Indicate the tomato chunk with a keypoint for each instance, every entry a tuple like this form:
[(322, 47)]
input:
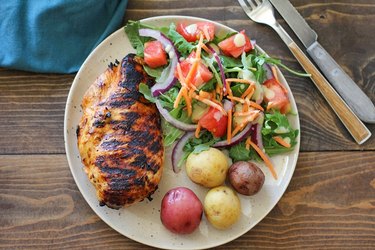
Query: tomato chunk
[(154, 54), (191, 32), (215, 122), (236, 44), (203, 74), (275, 96)]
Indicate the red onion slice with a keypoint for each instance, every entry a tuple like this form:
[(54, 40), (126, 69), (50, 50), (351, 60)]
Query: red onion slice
[(173, 121), (236, 139), (269, 73), (256, 131), (253, 43), (221, 68), (228, 105), (163, 84), (178, 150)]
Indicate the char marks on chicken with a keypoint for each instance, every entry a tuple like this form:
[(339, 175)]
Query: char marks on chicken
[(120, 137)]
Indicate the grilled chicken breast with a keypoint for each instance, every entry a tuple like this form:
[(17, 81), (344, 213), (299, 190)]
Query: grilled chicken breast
[(120, 137)]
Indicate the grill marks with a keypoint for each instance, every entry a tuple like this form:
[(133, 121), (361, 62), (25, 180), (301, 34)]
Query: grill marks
[(129, 151)]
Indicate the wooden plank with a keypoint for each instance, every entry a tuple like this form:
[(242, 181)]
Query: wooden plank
[(32, 105), (32, 111), (328, 204)]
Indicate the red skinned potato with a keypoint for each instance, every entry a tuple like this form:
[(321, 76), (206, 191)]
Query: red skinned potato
[(246, 177), (181, 211)]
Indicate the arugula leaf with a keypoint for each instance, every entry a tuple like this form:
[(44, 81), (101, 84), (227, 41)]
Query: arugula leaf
[(153, 72), (238, 89), (279, 63), (239, 152), (197, 145), (277, 124), (210, 63), (183, 46), (171, 133), (146, 91), (217, 39), (137, 42), (230, 62), (273, 148)]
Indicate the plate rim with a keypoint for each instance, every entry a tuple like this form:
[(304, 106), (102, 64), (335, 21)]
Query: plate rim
[(68, 150)]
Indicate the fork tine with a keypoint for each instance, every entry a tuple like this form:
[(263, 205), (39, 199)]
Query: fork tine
[(244, 6), (258, 2), (251, 4)]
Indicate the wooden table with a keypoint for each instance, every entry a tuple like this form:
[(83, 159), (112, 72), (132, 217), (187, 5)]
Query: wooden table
[(330, 202)]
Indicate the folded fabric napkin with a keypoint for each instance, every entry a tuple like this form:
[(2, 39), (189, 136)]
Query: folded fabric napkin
[(54, 35)]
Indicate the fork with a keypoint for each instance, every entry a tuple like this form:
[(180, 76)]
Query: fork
[(262, 12)]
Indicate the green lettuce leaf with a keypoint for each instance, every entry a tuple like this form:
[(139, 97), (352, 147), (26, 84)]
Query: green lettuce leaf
[(183, 46)]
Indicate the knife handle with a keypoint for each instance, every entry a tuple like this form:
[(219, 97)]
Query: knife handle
[(352, 123), (342, 83)]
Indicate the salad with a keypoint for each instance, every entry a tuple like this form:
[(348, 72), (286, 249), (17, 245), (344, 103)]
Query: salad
[(214, 91)]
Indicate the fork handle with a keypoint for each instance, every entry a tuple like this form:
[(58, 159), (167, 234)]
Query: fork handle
[(352, 123)]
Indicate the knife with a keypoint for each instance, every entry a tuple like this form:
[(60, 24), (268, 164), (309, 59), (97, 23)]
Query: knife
[(356, 99)]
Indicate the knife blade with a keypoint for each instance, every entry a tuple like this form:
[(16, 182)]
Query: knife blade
[(356, 99)]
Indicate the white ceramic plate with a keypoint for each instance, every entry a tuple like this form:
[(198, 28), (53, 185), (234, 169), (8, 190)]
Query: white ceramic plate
[(141, 222)]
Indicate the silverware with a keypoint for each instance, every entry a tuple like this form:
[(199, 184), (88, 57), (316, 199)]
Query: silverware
[(262, 12), (356, 99)]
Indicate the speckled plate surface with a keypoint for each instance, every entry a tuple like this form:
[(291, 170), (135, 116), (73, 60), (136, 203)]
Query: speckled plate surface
[(141, 222)]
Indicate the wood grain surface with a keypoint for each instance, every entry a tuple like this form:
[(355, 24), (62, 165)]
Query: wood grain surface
[(329, 204)]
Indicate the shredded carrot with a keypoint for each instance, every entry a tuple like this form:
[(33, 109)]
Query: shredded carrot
[(210, 103), (247, 143), (199, 47), (205, 48), (265, 158), (181, 77), (274, 72), (188, 102), (238, 129), (270, 105), (192, 72), (247, 113), (248, 91), (256, 105), (178, 98), (239, 80), (237, 99), (245, 108), (204, 94), (229, 126), (281, 141), (206, 33), (219, 90), (197, 130), (196, 61), (228, 89)]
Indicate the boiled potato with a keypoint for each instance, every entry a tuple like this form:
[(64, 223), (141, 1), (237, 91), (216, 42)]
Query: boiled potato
[(181, 211), (246, 177), (222, 207), (208, 168)]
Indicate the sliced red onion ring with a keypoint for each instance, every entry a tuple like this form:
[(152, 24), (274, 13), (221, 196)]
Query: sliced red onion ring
[(178, 150), (228, 105), (256, 131), (168, 79), (253, 42), (236, 139), (174, 122), (221, 68), (269, 73)]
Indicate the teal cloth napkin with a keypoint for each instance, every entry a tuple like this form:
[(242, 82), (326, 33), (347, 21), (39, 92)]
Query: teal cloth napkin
[(54, 36)]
